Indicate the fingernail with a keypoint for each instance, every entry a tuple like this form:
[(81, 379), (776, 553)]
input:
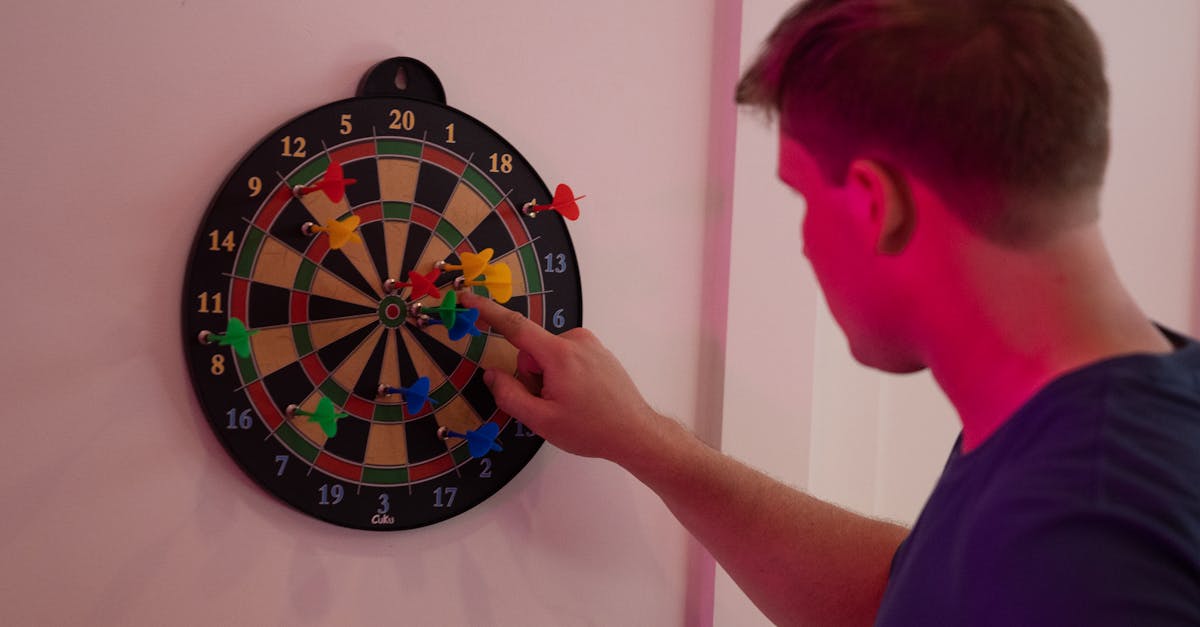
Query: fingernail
[(489, 377)]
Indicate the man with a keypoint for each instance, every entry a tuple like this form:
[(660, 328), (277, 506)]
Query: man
[(950, 154)]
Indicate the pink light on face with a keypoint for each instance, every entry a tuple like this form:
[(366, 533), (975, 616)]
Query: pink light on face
[(840, 234)]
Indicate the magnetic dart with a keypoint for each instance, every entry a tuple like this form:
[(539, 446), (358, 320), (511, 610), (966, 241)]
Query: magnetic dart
[(480, 441), (341, 232), (464, 325), (473, 264), (497, 278), (564, 203), (326, 415), (415, 396), (447, 311), (235, 335), (459, 322), (333, 183), (421, 284)]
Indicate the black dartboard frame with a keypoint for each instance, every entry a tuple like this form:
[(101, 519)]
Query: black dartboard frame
[(432, 182)]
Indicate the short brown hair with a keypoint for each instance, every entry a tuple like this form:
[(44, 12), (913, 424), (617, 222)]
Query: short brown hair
[(1006, 93)]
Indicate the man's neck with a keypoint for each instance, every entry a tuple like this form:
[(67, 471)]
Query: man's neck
[(1035, 315)]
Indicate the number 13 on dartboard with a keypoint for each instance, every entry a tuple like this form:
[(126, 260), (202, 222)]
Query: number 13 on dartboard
[(320, 321)]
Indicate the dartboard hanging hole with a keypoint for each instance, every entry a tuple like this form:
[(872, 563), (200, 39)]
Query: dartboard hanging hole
[(405, 77)]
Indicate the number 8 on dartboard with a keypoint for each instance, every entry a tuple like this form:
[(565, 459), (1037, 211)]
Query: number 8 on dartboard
[(322, 332)]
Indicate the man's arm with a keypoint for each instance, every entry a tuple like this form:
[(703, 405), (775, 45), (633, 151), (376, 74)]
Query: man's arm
[(801, 560)]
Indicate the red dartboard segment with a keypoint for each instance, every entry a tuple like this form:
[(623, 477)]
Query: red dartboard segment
[(462, 375), (536, 309), (433, 154), (353, 152), (464, 247), (432, 468), (262, 402), (238, 291), (425, 217), (266, 216), (339, 467), (512, 220), (317, 249), (299, 308), (369, 213), (313, 368), (356, 406)]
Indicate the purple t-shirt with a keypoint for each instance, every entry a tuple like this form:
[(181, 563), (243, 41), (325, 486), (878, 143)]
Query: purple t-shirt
[(1082, 509)]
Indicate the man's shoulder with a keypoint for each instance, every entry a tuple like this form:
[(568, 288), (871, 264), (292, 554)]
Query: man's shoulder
[(1083, 509)]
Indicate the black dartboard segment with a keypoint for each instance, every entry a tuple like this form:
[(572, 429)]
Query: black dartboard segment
[(431, 183)]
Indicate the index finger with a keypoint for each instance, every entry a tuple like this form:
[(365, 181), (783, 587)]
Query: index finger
[(516, 328)]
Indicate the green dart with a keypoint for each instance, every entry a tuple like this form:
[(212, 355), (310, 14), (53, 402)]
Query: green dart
[(326, 415), (235, 335)]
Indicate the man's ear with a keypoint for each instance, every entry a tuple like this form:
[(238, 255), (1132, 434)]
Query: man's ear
[(889, 206)]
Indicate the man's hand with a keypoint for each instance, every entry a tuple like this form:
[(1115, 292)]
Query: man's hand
[(801, 560), (569, 388)]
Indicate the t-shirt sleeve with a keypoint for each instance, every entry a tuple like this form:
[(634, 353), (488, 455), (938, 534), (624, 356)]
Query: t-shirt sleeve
[(1038, 561)]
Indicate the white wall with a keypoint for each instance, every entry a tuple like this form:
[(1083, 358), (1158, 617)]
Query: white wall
[(121, 120), (796, 403)]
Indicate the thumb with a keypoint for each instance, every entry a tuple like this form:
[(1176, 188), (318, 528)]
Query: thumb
[(515, 400)]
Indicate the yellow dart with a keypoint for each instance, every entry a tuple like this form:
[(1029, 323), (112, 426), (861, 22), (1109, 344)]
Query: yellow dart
[(341, 232), (473, 264), (497, 278)]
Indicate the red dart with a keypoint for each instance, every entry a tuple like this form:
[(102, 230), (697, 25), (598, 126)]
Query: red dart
[(333, 183), (564, 203), (421, 284)]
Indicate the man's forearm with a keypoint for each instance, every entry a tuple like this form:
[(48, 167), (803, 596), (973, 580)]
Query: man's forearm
[(801, 560)]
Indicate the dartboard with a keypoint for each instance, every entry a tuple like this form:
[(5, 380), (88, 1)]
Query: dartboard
[(319, 318)]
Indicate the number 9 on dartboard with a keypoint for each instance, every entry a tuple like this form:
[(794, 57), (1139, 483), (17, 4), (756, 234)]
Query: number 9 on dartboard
[(320, 319)]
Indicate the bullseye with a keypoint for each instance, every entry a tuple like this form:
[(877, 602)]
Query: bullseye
[(392, 311)]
